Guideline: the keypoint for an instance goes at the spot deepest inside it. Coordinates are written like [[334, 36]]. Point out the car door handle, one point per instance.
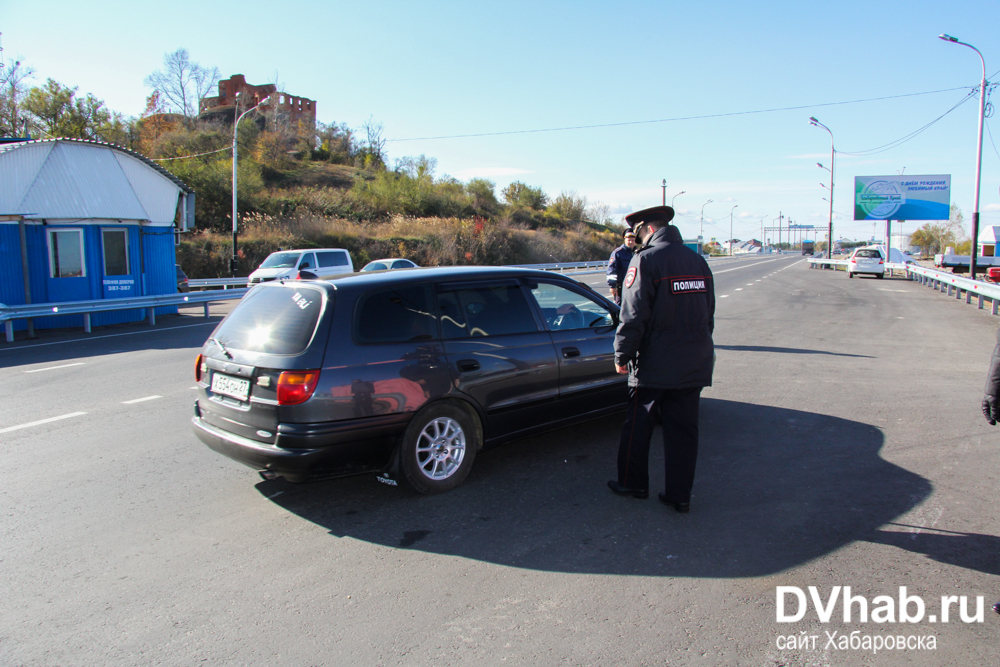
[[570, 352], [468, 365]]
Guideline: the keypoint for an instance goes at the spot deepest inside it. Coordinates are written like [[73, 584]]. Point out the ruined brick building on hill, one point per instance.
[[288, 108]]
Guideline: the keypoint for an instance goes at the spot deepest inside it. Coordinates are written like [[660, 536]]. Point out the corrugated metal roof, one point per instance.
[[78, 181], [178, 182], [17, 172], [74, 179], [157, 196]]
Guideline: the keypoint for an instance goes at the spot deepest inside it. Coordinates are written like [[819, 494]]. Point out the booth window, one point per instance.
[[66, 253], [115, 252]]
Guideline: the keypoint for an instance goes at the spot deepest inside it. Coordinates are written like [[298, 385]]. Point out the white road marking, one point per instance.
[[40, 422], [275, 496], [140, 400], [749, 284], [739, 289], [90, 338], [52, 368], [723, 296], [737, 268]]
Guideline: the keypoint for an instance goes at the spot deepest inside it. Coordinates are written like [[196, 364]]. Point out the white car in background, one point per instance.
[[320, 263], [868, 260], [388, 263]]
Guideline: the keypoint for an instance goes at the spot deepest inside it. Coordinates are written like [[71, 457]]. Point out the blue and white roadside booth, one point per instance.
[[83, 220]]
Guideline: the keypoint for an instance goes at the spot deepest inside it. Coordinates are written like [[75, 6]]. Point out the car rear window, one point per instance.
[[332, 258], [273, 320], [867, 253]]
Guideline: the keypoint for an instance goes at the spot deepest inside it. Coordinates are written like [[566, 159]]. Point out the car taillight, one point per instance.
[[199, 367], [296, 387]]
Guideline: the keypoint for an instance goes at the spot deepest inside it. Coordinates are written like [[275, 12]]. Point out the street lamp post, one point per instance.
[[236, 125], [731, 229], [664, 186], [829, 231], [979, 153], [675, 197], [701, 231]]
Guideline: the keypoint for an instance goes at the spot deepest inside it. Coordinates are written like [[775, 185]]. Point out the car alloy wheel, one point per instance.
[[441, 448], [438, 448]]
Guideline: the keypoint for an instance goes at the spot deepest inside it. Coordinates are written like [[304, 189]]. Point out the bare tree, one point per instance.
[[183, 83], [372, 154], [13, 91], [600, 212]]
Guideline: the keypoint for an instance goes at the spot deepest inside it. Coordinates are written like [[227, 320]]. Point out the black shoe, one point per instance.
[[641, 494], [683, 508], [996, 607]]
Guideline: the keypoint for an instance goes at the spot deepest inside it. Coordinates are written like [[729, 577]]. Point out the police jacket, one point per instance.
[[618, 265], [667, 316], [993, 376]]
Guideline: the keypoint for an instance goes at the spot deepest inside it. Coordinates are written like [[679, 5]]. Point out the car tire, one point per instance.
[[850, 275], [880, 275], [438, 449]]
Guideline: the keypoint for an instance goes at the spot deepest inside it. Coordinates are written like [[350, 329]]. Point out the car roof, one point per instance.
[[355, 281]]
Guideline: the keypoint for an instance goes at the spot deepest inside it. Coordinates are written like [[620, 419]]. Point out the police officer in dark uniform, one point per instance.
[[991, 400], [664, 343], [618, 264]]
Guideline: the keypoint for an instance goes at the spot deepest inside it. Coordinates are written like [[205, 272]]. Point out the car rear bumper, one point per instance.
[[305, 452]]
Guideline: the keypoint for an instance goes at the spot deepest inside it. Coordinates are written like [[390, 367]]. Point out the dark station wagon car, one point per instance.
[[403, 373]]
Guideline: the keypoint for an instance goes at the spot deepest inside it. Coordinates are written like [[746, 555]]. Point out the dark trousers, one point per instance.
[[678, 409]]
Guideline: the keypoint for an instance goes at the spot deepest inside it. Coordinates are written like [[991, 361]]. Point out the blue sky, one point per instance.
[[440, 69]]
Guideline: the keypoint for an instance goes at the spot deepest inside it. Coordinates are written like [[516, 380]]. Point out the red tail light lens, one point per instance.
[[198, 368], [296, 387]]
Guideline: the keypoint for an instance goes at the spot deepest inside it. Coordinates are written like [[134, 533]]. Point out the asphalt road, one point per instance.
[[842, 445]]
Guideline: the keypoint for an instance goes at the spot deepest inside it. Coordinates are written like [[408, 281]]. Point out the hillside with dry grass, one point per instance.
[[295, 192]]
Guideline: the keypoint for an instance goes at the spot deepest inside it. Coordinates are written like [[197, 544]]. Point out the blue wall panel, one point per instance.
[[154, 250]]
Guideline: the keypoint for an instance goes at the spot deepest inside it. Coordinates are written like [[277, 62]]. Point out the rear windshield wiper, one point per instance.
[[221, 347]]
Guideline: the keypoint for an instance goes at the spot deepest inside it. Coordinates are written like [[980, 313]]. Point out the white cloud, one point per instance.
[[991, 207], [489, 172], [620, 209]]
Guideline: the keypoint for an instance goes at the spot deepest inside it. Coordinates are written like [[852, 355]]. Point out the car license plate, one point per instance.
[[230, 386]]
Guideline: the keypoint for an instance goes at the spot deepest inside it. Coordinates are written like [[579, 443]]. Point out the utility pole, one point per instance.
[[664, 192]]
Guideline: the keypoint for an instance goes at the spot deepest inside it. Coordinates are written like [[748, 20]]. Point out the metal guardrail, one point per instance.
[[942, 281], [957, 285], [86, 308], [837, 264], [217, 282]]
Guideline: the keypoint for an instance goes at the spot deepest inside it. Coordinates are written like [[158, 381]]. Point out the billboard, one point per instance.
[[902, 197]]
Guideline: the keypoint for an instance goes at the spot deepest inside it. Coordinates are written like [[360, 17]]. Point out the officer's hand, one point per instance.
[[614, 292], [991, 409], [622, 370]]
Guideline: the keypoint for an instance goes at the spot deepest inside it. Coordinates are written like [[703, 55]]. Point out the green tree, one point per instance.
[[483, 195], [569, 206], [519, 194], [57, 111], [334, 143]]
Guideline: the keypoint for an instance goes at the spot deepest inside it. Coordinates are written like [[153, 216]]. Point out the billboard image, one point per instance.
[[902, 197]]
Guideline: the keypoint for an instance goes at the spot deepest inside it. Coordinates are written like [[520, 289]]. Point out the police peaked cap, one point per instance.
[[660, 214], [627, 232]]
